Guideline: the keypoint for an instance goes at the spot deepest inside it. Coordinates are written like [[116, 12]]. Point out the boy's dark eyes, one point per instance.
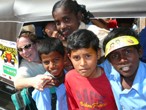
[[76, 57], [114, 56], [46, 62], [129, 50], [126, 53], [57, 22], [66, 19], [55, 60], [85, 57]]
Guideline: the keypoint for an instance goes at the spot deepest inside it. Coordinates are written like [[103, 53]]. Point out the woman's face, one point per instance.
[[27, 49], [66, 21]]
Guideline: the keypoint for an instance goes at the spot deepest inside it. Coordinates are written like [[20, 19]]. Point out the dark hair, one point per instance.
[[50, 44], [74, 7], [120, 32], [82, 38], [128, 21], [28, 34]]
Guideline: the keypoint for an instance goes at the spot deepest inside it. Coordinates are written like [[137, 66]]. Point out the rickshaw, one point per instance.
[[14, 14]]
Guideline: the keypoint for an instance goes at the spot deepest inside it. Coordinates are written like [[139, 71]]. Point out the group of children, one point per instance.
[[89, 86]]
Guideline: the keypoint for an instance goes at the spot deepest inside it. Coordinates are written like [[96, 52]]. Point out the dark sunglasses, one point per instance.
[[25, 47]]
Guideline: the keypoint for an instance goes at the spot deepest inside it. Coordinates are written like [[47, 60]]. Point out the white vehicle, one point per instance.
[[16, 13]]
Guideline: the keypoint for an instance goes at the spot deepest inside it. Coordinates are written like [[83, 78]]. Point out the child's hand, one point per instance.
[[55, 34], [52, 82], [40, 81], [49, 83]]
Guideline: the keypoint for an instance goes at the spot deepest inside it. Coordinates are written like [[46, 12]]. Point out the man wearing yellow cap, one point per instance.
[[128, 73]]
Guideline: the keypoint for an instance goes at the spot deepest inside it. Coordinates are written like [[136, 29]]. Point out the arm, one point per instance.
[[31, 74], [20, 83], [38, 82], [100, 23]]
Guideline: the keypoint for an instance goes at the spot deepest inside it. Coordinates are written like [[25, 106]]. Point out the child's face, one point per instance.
[[125, 60], [84, 61], [50, 28], [67, 64], [53, 63], [66, 21]]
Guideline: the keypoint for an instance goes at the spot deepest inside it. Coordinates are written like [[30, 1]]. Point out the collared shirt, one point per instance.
[[43, 98], [130, 99]]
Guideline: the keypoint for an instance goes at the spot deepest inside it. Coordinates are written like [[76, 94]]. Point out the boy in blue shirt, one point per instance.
[[52, 55], [128, 73]]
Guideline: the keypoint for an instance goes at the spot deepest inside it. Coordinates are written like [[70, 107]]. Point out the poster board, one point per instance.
[[8, 59]]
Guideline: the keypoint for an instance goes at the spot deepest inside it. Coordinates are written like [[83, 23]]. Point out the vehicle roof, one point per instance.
[[14, 13], [30, 10]]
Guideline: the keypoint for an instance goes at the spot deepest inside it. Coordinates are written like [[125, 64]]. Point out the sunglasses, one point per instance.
[[25, 47]]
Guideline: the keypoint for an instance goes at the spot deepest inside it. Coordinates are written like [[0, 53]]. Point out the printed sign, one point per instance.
[[8, 59]]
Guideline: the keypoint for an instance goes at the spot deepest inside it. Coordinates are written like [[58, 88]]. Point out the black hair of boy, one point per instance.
[[82, 38], [50, 44], [128, 22], [117, 32]]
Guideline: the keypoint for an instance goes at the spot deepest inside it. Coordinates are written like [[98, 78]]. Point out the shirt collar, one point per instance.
[[114, 74], [140, 75]]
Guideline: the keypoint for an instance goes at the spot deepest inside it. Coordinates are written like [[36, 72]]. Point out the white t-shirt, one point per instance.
[[100, 32], [30, 69]]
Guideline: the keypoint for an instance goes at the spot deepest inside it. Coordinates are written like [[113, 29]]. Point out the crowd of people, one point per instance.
[[83, 64]]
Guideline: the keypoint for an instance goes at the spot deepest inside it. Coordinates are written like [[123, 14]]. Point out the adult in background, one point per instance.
[[30, 72]]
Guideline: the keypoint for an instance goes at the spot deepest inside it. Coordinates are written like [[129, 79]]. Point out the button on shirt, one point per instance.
[[130, 99]]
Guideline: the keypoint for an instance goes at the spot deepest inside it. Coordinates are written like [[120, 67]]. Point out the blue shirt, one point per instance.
[[43, 98], [130, 99]]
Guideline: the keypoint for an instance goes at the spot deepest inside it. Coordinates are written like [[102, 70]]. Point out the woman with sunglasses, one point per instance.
[[31, 71]]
